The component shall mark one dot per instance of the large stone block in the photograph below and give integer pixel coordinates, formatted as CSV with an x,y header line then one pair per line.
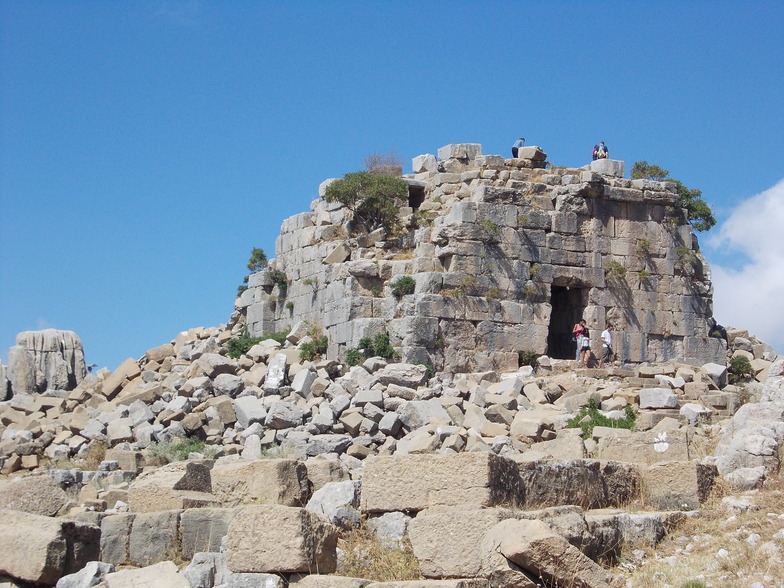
x,y
202,529
116,538
445,540
267,481
608,167
41,549
415,482
154,537
678,485
460,151
646,447
281,539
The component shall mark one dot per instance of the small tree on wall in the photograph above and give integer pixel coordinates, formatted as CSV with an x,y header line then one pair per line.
x,y
373,199
699,213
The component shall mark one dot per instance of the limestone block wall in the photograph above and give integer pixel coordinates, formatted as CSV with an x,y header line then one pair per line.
x,y
506,256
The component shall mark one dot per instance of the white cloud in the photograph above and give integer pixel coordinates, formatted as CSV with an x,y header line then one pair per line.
x,y
752,297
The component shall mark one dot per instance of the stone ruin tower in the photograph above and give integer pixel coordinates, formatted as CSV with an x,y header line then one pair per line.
x,y
507,254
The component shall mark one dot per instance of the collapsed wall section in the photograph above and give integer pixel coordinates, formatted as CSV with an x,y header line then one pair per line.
x,y
506,256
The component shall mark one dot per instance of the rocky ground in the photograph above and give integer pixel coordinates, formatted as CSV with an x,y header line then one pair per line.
x,y
485,476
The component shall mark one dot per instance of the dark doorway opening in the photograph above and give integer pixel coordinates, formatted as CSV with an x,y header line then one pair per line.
x,y
567,309
416,196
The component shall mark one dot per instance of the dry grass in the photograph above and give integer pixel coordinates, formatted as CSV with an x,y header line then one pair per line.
x,y
718,548
365,556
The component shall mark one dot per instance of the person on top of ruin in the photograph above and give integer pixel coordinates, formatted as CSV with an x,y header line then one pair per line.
x,y
603,152
595,153
517,144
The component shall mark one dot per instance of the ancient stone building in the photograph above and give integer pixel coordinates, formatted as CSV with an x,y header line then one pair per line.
x,y
507,254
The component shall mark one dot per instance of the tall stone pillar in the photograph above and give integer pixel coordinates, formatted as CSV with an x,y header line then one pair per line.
x,y
46,360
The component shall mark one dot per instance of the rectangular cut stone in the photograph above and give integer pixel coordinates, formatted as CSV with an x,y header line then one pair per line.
x,y
683,485
202,529
446,540
415,482
646,448
281,539
268,481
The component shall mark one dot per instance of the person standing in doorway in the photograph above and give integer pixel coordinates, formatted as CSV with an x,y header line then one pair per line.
x,y
577,335
585,347
607,350
517,144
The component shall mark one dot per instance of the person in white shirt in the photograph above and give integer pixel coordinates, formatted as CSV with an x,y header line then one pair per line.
x,y
607,351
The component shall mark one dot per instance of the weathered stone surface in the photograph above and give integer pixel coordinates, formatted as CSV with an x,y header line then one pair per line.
x,y
175,486
202,529
47,359
322,581
534,547
207,569
338,502
678,485
646,447
160,575
658,398
34,494
446,539
40,549
154,537
268,481
281,539
415,482
90,575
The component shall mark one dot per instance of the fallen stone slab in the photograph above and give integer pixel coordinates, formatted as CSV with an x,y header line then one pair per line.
x,y
154,537
90,575
533,546
41,549
415,482
281,539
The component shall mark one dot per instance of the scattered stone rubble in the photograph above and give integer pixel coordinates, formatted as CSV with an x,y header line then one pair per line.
x,y
482,459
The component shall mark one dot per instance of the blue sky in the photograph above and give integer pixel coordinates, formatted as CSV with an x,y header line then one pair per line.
x,y
146,147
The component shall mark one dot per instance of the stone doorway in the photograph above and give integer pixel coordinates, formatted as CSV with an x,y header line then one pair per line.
x,y
567,308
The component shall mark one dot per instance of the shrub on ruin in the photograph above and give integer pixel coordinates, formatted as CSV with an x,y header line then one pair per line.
x,y
378,346
402,286
314,349
256,263
373,199
177,449
740,369
614,270
590,416
698,212
240,345
529,358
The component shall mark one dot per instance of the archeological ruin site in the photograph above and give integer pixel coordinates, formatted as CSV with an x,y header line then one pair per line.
x,y
478,452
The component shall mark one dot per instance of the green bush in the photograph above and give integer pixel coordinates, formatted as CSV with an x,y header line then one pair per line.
x,y
278,277
740,369
402,286
597,419
239,346
314,349
374,199
163,452
529,358
614,269
354,357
